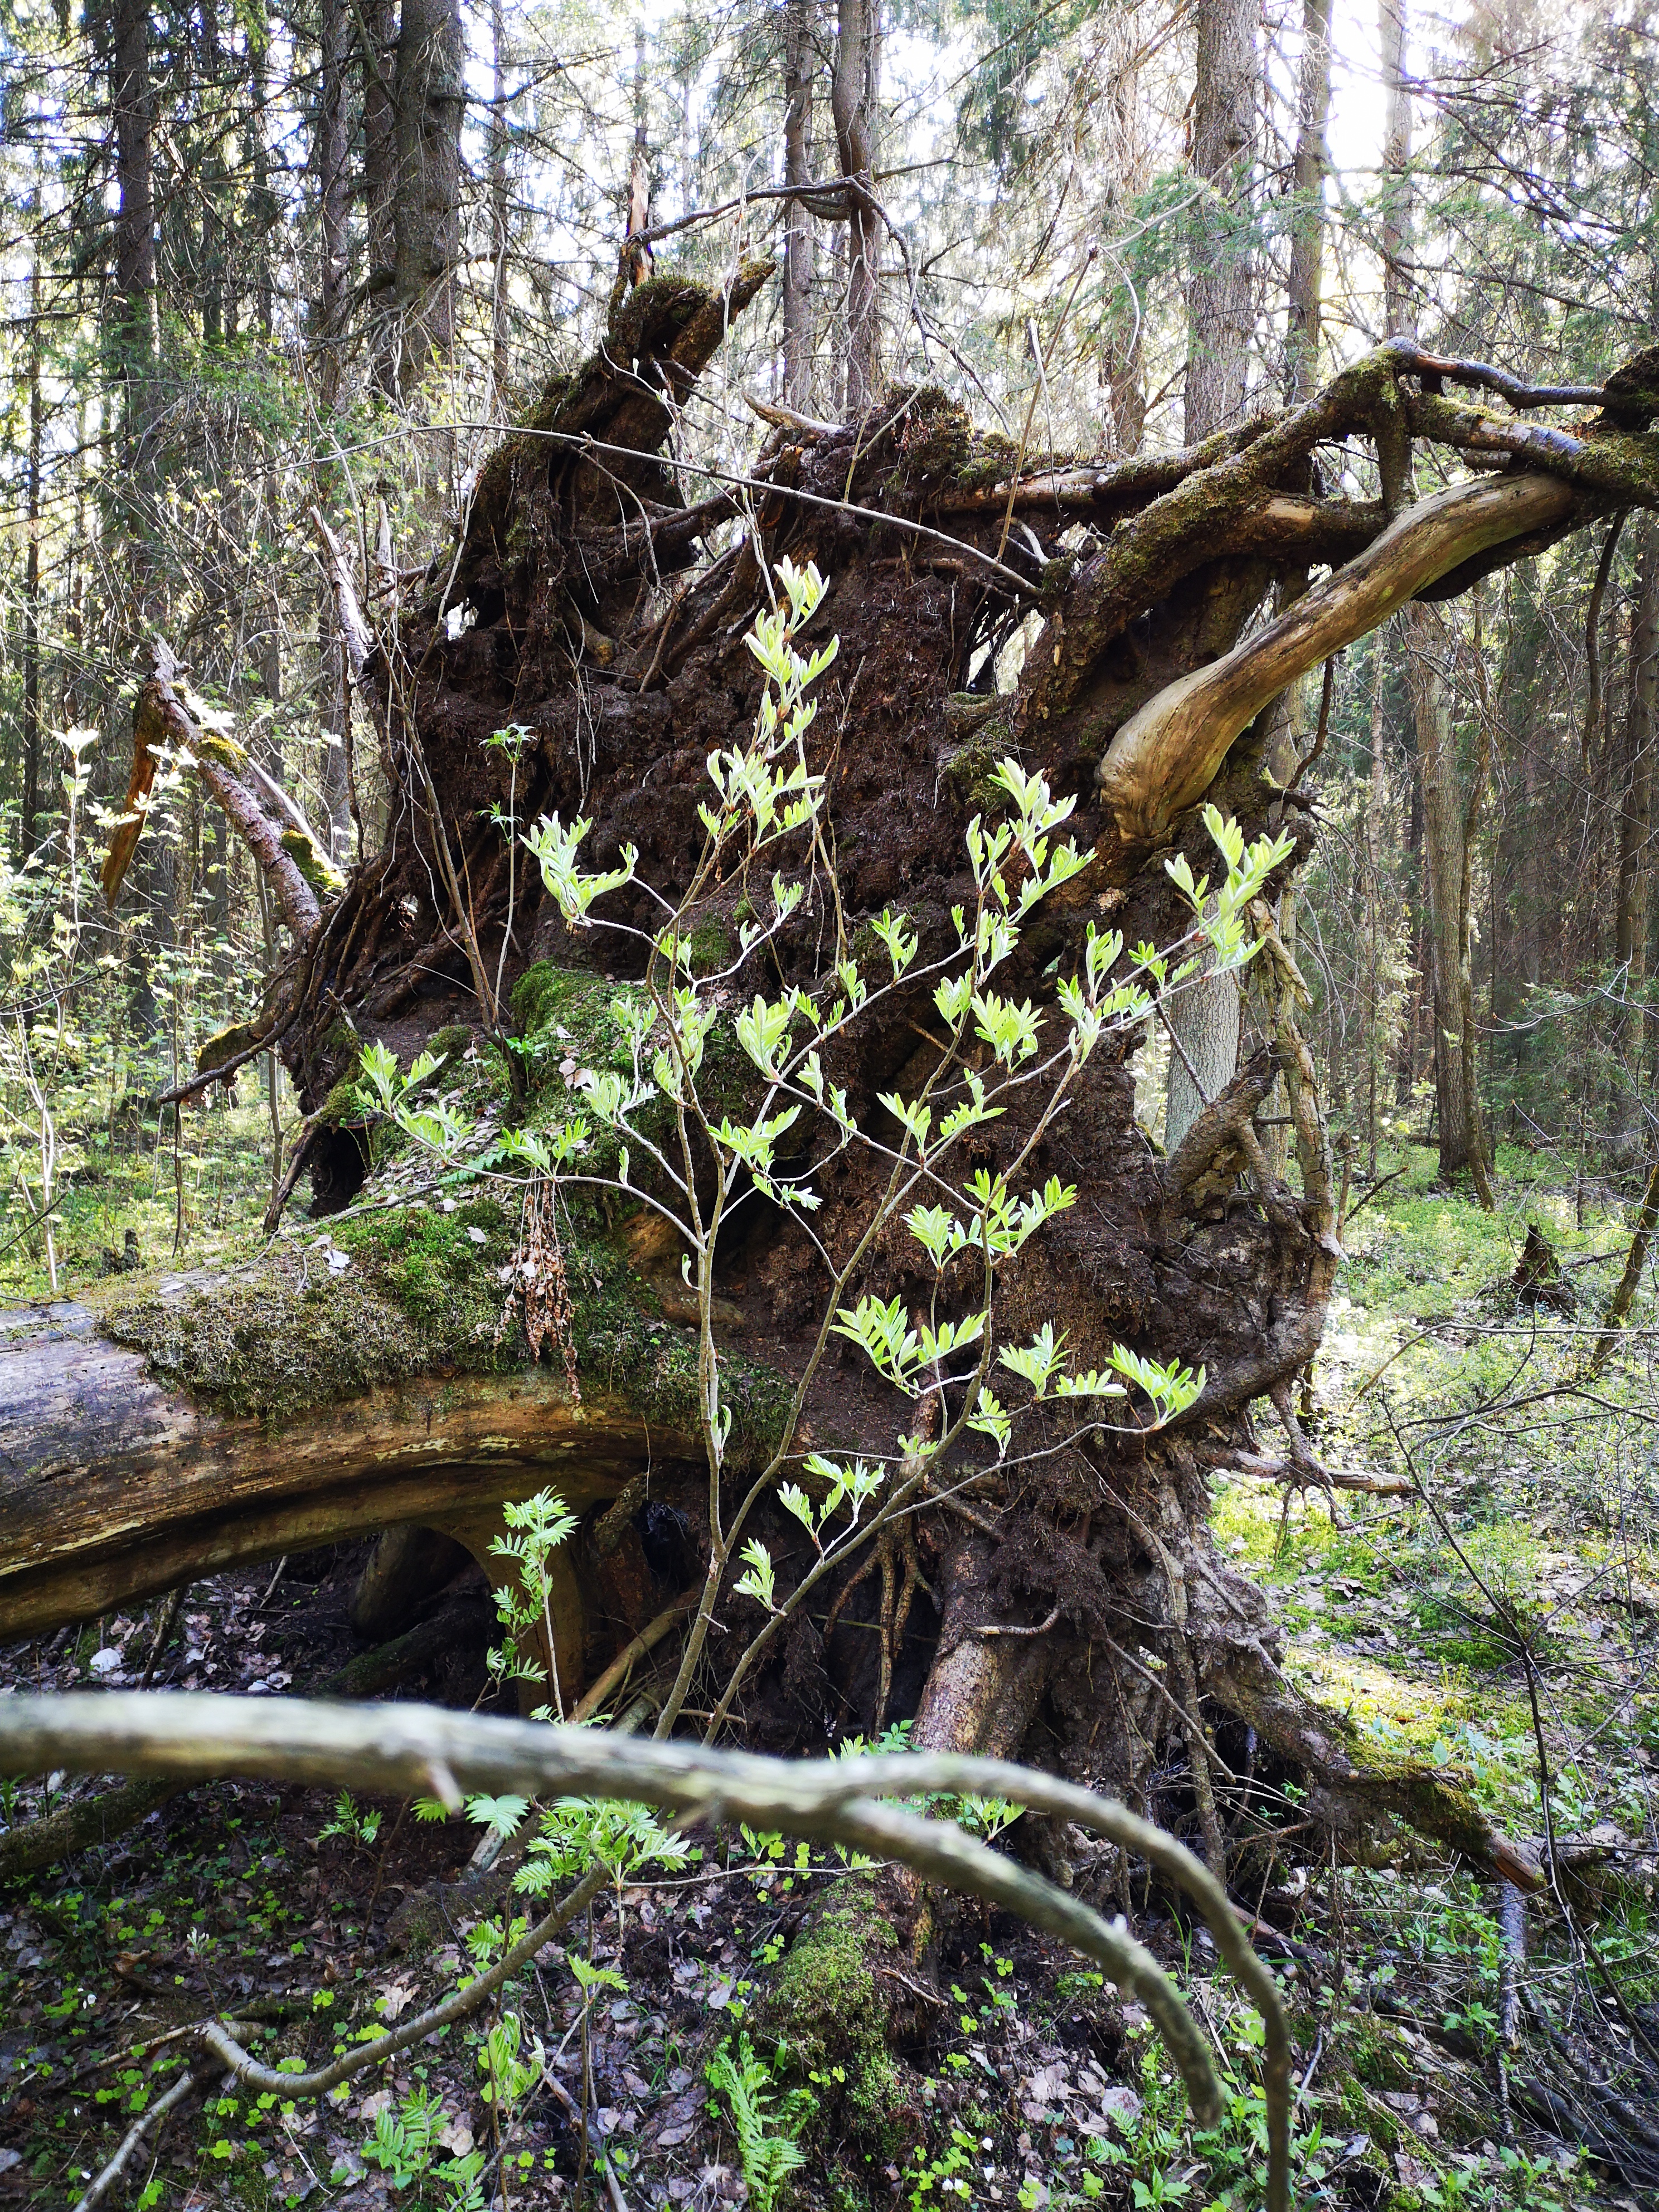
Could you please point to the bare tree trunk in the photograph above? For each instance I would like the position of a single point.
(333, 161)
(264, 207)
(429, 101)
(1399, 315)
(1204, 1018)
(135, 282)
(854, 92)
(500, 344)
(1376, 1038)
(1219, 316)
(377, 23)
(799, 65)
(1127, 171)
(1405, 1081)
(213, 181)
(1635, 816)
(1307, 221)
(32, 556)
(1446, 811)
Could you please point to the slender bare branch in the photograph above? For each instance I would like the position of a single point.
(403, 1749)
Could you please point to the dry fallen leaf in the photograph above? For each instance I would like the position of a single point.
(395, 1996)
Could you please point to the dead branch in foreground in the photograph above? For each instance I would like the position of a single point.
(400, 1750)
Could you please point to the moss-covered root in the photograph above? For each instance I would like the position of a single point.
(1353, 1789)
(837, 2007)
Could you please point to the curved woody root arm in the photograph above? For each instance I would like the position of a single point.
(412, 1748)
(1165, 757)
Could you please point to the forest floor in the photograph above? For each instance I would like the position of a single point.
(1524, 1567)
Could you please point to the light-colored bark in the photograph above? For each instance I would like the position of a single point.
(1165, 757)
(1399, 310)
(1205, 1017)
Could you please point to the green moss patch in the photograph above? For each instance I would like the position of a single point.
(827, 2008)
(423, 1292)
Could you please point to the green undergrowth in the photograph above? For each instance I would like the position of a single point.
(197, 1207)
(1532, 1539)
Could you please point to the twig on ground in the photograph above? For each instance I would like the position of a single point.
(397, 1749)
(102, 2183)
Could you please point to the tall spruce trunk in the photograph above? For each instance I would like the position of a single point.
(1219, 320)
(1635, 828)
(333, 163)
(32, 710)
(1205, 1019)
(501, 321)
(376, 23)
(430, 101)
(1308, 219)
(799, 67)
(855, 96)
(1446, 806)
(135, 335)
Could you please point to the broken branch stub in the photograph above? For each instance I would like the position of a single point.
(161, 722)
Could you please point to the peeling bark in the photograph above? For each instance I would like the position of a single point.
(1166, 757)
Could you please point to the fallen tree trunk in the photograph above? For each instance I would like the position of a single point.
(197, 1425)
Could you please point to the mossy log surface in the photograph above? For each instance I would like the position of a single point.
(115, 1486)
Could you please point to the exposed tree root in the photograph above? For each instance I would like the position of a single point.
(1349, 1795)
